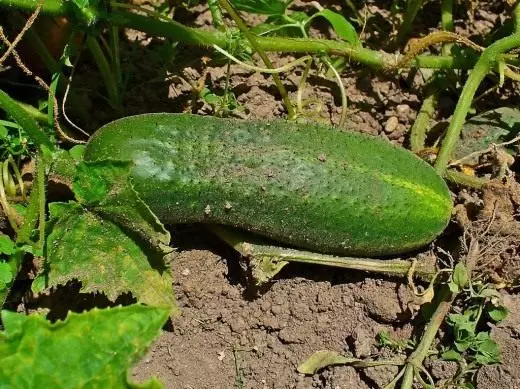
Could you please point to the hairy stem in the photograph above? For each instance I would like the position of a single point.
(447, 15)
(192, 36)
(420, 125)
(26, 121)
(416, 359)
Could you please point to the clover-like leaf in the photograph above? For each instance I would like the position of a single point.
(6, 274)
(93, 349)
(6, 245)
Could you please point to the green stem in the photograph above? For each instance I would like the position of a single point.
(39, 116)
(104, 69)
(516, 16)
(465, 180)
(116, 61)
(447, 15)
(216, 15)
(417, 357)
(192, 36)
(252, 247)
(412, 7)
(420, 126)
(32, 214)
(484, 64)
(29, 125)
(40, 182)
(253, 41)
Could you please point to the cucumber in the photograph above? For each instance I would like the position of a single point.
(303, 185)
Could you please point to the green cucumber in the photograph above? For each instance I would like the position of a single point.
(303, 185)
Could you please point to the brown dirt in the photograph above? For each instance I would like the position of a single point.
(224, 333)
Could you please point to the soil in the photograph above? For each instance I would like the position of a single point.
(231, 335)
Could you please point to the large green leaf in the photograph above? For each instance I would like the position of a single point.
(495, 126)
(81, 245)
(110, 241)
(104, 187)
(93, 349)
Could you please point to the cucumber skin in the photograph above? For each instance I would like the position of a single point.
(303, 185)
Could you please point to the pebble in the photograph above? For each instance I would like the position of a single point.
(391, 124)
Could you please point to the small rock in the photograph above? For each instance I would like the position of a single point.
(288, 335)
(440, 369)
(322, 158)
(391, 124)
(403, 110)
(381, 375)
(186, 272)
(271, 323)
(238, 326)
(276, 309)
(362, 343)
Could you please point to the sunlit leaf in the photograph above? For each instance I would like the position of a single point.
(6, 274)
(81, 245)
(93, 349)
(451, 355)
(340, 25)
(498, 313)
(6, 245)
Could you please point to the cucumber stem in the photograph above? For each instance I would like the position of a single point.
(250, 247)
(193, 36)
(489, 57)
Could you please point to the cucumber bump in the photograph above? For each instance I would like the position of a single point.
(307, 186)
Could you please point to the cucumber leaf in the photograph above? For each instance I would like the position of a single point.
(495, 126)
(93, 349)
(110, 240)
(82, 245)
(105, 188)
